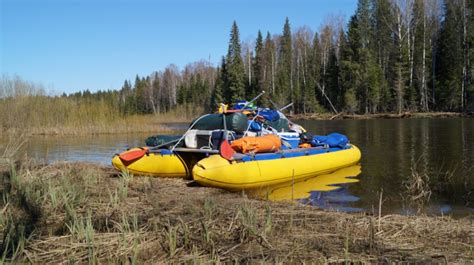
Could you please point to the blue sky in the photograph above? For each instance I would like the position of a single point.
(72, 45)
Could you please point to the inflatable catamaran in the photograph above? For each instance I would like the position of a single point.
(241, 148)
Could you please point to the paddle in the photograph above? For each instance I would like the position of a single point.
(225, 149)
(132, 155)
(255, 98)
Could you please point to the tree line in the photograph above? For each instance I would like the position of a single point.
(391, 56)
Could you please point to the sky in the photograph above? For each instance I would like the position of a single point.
(73, 45)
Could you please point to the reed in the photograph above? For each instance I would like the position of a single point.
(27, 109)
(417, 186)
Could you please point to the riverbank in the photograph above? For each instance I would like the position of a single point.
(91, 120)
(158, 123)
(68, 212)
(404, 115)
(132, 124)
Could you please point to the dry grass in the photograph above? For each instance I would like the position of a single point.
(130, 124)
(150, 123)
(26, 109)
(86, 213)
(9, 152)
(417, 186)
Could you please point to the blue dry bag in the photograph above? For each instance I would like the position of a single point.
(332, 140)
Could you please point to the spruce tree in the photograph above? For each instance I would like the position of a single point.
(155, 86)
(140, 98)
(235, 72)
(284, 85)
(259, 67)
(364, 32)
(269, 68)
(217, 93)
(450, 58)
(383, 46)
(350, 68)
(470, 58)
(311, 103)
(125, 94)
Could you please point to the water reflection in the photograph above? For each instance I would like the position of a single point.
(442, 149)
(328, 191)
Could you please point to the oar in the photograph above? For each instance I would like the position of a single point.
(285, 107)
(281, 109)
(225, 149)
(132, 155)
(136, 154)
(255, 98)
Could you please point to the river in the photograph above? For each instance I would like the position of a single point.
(392, 151)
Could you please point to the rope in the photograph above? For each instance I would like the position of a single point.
(250, 123)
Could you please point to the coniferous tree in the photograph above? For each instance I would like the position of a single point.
(155, 86)
(350, 68)
(259, 66)
(140, 98)
(304, 94)
(284, 85)
(383, 46)
(450, 58)
(217, 94)
(234, 70)
(470, 56)
(269, 66)
(310, 103)
(367, 96)
(125, 95)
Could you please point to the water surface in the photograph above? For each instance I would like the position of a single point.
(391, 148)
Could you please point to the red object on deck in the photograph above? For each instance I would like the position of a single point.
(226, 150)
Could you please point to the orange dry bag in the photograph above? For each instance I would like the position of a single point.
(261, 144)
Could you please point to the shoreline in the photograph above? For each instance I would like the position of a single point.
(78, 212)
(152, 124)
(404, 115)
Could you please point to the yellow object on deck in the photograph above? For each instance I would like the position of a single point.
(218, 172)
(153, 164)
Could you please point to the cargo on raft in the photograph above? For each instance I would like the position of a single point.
(241, 149)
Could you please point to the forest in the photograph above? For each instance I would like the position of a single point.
(391, 56)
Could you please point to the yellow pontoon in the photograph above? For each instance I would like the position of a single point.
(259, 170)
(158, 164)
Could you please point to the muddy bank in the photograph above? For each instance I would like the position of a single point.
(87, 213)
